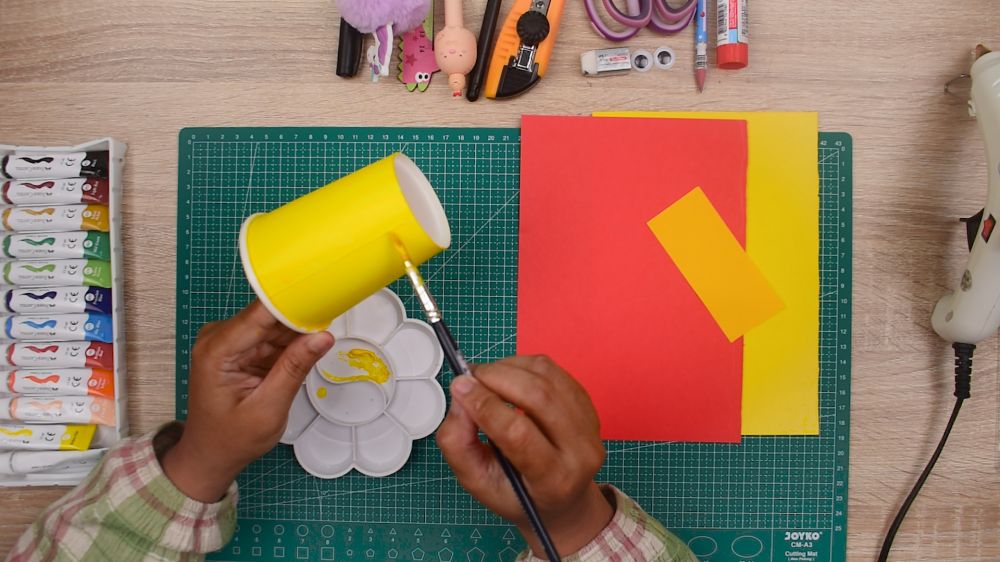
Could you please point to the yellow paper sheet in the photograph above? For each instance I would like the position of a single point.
(781, 356)
(714, 263)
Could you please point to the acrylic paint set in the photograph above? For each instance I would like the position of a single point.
(62, 373)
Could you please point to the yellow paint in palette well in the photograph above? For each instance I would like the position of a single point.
(321, 392)
(375, 369)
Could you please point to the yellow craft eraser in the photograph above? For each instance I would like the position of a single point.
(734, 290)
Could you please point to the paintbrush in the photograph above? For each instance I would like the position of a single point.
(456, 360)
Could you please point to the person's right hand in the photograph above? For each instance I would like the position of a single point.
(555, 444)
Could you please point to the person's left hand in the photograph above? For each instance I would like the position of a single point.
(245, 372)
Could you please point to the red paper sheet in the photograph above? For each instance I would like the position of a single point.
(597, 292)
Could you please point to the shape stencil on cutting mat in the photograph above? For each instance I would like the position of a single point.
(730, 499)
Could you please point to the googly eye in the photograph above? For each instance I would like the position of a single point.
(642, 60)
(664, 58)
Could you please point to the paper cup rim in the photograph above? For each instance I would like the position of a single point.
(422, 200)
(251, 276)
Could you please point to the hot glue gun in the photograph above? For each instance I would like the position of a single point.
(971, 313)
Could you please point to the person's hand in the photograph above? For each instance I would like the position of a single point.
(554, 441)
(245, 372)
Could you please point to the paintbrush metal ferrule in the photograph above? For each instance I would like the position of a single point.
(427, 301)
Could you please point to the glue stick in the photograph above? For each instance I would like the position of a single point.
(732, 50)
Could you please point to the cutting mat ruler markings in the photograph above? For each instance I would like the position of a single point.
(769, 498)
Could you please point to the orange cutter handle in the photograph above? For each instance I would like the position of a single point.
(508, 42)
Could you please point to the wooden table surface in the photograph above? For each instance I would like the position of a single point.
(140, 70)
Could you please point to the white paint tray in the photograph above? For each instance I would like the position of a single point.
(342, 420)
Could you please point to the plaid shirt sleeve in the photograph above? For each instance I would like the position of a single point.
(631, 536)
(127, 509)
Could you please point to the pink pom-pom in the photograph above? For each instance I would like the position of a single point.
(368, 15)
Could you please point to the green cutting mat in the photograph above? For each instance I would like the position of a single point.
(768, 498)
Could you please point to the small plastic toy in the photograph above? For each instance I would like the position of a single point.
(416, 56)
(455, 47)
(383, 18)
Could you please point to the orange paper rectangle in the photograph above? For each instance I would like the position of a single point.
(734, 290)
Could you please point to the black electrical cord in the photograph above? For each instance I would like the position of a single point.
(963, 382)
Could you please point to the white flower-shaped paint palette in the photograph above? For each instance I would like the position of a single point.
(366, 400)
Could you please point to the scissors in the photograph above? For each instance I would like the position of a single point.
(657, 15)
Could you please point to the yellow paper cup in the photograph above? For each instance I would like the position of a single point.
(312, 259)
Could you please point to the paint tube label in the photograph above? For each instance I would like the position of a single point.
(60, 409)
(68, 191)
(92, 273)
(58, 300)
(28, 462)
(58, 245)
(55, 165)
(62, 382)
(59, 327)
(95, 355)
(46, 437)
(58, 218)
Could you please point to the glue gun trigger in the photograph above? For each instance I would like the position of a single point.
(972, 225)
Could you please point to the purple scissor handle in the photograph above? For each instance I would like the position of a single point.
(658, 15)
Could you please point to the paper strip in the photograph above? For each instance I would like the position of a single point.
(733, 289)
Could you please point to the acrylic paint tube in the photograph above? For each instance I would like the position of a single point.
(28, 462)
(58, 327)
(58, 300)
(68, 191)
(58, 245)
(55, 165)
(57, 218)
(52, 437)
(55, 273)
(62, 382)
(58, 409)
(51, 355)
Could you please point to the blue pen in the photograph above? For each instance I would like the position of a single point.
(700, 46)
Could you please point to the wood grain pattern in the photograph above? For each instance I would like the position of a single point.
(140, 70)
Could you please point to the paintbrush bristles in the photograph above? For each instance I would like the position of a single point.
(417, 282)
